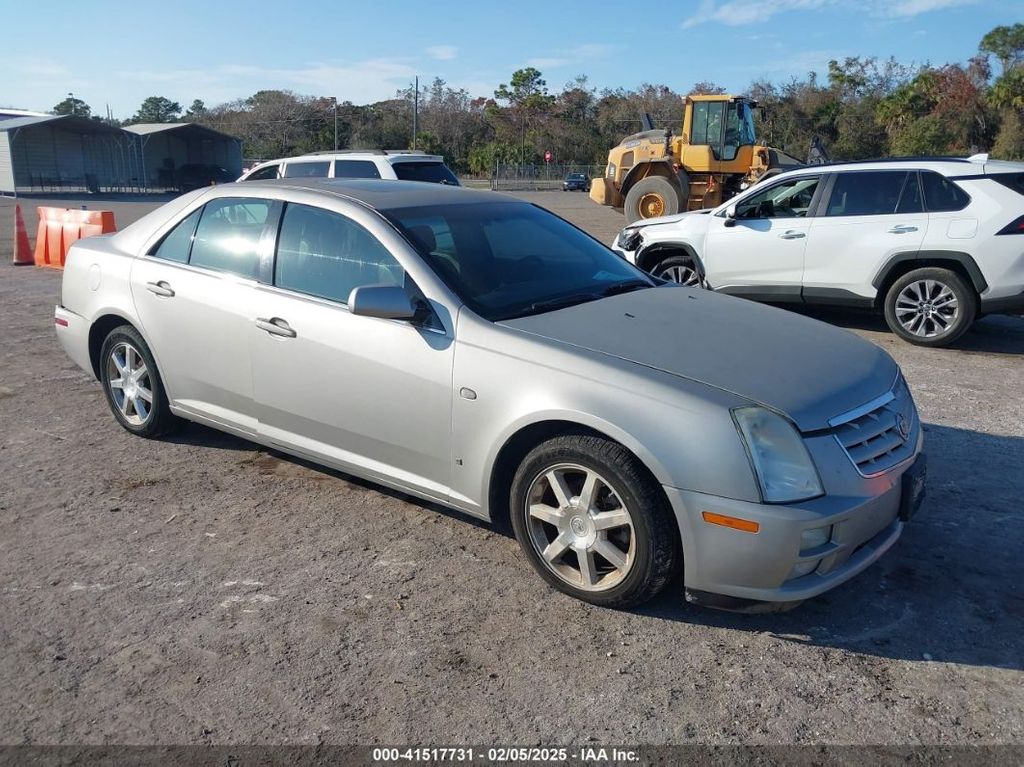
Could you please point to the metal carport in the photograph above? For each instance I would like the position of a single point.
(62, 153)
(165, 147)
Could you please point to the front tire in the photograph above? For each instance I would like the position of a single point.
(132, 385)
(930, 307)
(651, 197)
(593, 522)
(681, 269)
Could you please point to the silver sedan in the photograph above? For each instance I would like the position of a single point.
(478, 351)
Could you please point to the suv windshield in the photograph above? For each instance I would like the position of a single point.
(511, 259)
(434, 172)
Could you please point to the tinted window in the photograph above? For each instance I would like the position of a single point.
(228, 236)
(263, 174)
(941, 194)
(176, 244)
(707, 122)
(911, 200)
(307, 169)
(355, 169)
(434, 172)
(866, 193)
(789, 199)
(507, 259)
(327, 255)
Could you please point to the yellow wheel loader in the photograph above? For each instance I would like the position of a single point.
(655, 173)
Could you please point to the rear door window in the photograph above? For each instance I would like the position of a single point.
(227, 238)
(355, 169)
(942, 195)
(307, 169)
(866, 193)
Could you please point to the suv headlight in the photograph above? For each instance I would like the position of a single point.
(781, 463)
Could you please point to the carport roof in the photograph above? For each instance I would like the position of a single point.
(148, 129)
(67, 122)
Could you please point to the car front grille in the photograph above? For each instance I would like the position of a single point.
(882, 434)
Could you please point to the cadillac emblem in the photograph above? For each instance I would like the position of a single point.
(903, 426)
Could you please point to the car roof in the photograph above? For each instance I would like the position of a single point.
(380, 194)
(949, 166)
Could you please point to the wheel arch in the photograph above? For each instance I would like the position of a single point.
(527, 436)
(653, 253)
(956, 261)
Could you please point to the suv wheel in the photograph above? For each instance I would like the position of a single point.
(930, 307)
(592, 521)
(679, 269)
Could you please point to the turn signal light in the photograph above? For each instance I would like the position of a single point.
(744, 525)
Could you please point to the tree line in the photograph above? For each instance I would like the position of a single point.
(862, 107)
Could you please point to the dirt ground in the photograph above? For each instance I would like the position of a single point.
(203, 590)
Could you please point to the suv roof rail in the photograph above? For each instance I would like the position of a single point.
(365, 151)
(917, 158)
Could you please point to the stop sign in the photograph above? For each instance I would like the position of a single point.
(547, 156)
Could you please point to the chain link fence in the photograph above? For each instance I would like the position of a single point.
(538, 177)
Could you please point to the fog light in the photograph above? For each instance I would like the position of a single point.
(815, 537)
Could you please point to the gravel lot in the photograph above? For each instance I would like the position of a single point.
(206, 590)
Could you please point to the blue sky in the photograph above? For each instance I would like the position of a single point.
(120, 53)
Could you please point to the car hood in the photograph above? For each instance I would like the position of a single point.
(673, 219)
(804, 368)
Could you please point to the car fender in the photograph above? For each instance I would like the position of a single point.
(964, 259)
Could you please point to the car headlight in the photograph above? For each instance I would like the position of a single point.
(781, 463)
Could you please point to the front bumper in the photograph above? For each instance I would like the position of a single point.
(756, 567)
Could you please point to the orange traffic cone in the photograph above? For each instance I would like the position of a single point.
(22, 251)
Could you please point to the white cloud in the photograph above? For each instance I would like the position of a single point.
(575, 55)
(906, 9)
(442, 52)
(736, 13)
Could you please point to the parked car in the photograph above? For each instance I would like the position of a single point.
(395, 164)
(930, 243)
(477, 351)
(576, 182)
(195, 175)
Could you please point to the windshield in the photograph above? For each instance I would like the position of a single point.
(434, 172)
(511, 259)
(747, 135)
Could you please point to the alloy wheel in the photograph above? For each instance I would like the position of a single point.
(927, 308)
(681, 273)
(128, 380)
(580, 527)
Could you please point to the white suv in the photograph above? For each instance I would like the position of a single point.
(932, 243)
(393, 164)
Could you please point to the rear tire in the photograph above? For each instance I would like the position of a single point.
(132, 385)
(652, 197)
(930, 307)
(593, 522)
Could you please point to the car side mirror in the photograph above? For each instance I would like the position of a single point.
(730, 216)
(387, 302)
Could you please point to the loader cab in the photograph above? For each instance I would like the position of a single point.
(722, 123)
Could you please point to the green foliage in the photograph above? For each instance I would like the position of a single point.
(1006, 44)
(157, 109)
(1008, 91)
(74, 107)
(1009, 143)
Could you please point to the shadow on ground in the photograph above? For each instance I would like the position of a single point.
(993, 334)
(951, 590)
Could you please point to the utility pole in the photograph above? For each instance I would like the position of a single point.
(335, 123)
(415, 110)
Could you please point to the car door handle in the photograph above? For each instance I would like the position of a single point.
(792, 235)
(276, 327)
(160, 288)
(901, 229)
